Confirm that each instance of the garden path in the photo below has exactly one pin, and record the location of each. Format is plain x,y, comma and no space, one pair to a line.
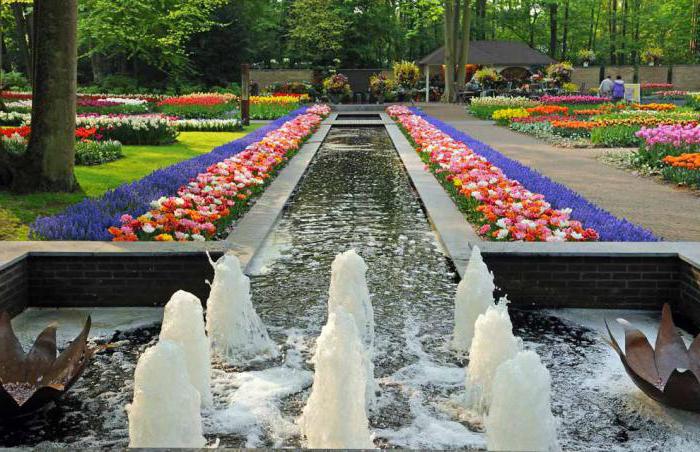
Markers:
670,212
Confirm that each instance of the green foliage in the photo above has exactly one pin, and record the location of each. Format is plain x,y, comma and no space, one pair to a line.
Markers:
155,32
316,30
682,176
123,109
197,111
271,111
615,136
15,81
90,152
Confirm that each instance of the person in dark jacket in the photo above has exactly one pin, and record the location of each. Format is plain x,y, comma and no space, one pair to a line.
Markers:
618,90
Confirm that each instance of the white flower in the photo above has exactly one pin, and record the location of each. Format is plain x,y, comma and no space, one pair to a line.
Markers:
148,228
502,233
197,238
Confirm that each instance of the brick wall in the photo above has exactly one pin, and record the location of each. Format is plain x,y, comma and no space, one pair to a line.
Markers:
13,287
592,282
684,77
690,291
116,280
542,281
266,77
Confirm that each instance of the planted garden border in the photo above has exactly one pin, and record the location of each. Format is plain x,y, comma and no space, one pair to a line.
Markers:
91,218
609,227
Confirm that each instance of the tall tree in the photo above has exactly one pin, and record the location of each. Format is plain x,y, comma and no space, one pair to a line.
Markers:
553,10
48,162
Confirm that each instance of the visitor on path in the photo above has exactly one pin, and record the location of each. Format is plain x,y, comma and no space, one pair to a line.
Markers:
618,90
606,87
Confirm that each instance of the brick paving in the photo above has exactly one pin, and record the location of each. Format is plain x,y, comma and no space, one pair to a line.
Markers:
670,212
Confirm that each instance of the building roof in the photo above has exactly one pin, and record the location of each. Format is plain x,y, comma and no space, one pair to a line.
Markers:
495,53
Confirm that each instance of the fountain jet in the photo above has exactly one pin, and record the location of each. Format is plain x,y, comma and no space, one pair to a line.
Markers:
474,296
183,323
235,331
520,417
165,409
348,290
494,344
335,415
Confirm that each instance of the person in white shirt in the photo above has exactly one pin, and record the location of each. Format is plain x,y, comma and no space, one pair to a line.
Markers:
606,87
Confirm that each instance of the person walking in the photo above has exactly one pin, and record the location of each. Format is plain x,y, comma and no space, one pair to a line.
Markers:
618,90
606,87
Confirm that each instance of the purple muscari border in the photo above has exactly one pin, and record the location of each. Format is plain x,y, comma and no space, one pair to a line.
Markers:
609,227
90,218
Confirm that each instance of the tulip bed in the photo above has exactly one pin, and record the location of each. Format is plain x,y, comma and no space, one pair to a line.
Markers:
673,150
585,121
503,198
91,218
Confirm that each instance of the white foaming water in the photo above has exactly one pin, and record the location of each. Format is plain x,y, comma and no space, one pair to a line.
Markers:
494,343
348,289
236,333
183,323
335,415
520,417
165,409
474,296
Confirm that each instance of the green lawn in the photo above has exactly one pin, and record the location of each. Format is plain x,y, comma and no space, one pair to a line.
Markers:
18,211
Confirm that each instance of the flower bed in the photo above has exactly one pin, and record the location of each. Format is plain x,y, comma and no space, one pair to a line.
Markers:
90,219
132,129
207,125
14,118
198,106
91,152
573,100
648,88
572,128
484,107
561,198
505,116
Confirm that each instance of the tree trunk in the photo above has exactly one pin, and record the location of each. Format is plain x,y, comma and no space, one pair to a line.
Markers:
623,43
480,20
23,41
635,49
464,51
448,95
48,163
694,26
613,32
565,32
553,7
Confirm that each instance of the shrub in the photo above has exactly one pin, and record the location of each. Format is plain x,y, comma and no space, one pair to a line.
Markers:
406,74
15,80
118,84
88,152
616,136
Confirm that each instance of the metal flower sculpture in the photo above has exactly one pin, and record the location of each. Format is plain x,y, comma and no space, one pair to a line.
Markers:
669,372
28,382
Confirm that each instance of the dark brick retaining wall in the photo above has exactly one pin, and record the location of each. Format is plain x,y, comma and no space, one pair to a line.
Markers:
529,280
690,291
13,287
595,282
116,280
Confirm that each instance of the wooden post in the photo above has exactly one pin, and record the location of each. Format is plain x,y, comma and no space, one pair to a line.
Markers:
245,94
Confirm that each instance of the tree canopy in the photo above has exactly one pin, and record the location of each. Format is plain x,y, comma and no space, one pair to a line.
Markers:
202,42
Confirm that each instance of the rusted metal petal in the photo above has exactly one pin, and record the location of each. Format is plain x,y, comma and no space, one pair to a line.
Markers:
648,388
670,351
69,365
694,356
11,352
640,355
42,355
683,391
